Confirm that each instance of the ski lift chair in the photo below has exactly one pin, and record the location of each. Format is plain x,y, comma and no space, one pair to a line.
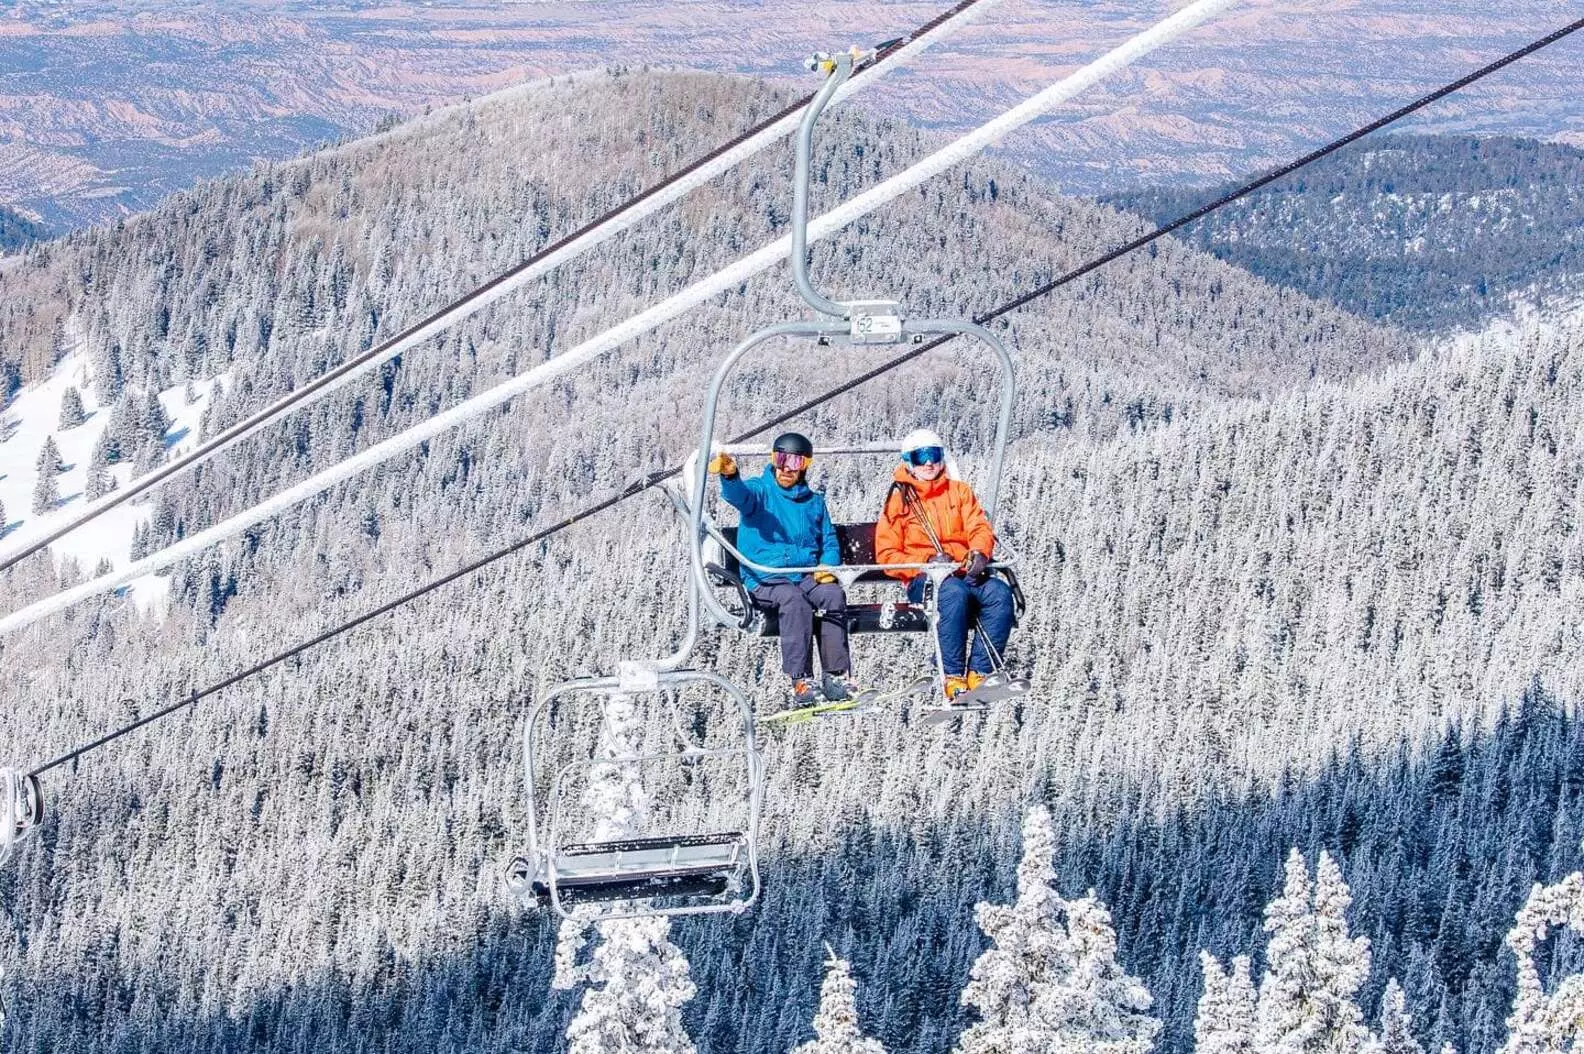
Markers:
21,809
857,323
670,874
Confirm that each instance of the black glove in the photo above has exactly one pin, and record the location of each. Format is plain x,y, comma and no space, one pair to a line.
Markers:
976,568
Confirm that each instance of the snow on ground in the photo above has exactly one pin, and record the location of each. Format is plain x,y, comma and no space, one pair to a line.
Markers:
32,417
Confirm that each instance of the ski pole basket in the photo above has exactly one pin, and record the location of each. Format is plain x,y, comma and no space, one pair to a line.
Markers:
636,827
21,808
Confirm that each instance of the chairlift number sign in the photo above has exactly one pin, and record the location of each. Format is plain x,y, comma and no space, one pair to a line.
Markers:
875,322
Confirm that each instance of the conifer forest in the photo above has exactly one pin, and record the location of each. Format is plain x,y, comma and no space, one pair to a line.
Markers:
1295,495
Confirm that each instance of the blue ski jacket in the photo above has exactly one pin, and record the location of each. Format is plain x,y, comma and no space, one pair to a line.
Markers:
781,526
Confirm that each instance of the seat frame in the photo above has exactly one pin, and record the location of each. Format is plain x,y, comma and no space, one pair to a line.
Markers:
637,876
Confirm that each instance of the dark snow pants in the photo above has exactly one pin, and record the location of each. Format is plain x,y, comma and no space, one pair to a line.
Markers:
796,602
960,603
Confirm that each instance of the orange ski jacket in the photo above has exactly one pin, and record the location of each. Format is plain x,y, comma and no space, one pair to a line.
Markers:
955,514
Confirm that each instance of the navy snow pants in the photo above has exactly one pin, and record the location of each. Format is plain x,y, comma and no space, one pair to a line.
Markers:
960,603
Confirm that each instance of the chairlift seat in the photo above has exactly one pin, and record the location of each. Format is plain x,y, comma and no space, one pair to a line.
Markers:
857,544
704,865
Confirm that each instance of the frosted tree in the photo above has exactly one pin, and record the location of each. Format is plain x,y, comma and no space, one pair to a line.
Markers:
1313,968
1100,1007
1395,1036
99,482
49,458
836,1022
72,413
1542,1023
1225,1021
46,492
637,979
1050,981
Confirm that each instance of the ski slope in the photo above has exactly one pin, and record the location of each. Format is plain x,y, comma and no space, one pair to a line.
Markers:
30,418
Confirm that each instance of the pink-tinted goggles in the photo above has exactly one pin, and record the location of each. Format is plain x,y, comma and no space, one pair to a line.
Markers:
790,462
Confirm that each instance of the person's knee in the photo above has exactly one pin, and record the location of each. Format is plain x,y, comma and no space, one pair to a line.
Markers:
793,600
829,597
995,594
952,590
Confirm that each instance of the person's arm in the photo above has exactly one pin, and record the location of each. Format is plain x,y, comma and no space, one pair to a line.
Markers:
740,494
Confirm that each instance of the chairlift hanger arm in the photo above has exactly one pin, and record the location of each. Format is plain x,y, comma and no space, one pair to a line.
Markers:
840,68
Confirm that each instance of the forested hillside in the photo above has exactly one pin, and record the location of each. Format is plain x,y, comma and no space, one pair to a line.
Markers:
1258,533
17,230
1428,232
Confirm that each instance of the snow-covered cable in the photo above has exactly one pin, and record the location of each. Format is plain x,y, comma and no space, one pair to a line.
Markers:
728,278
623,218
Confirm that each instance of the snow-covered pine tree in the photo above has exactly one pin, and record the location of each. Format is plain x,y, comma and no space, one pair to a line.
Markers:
1047,984
72,413
1029,950
99,480
1395,1036
1225,1022
637,979
1313,969
1100,1007
46,492
836,1028
1543,1023
49,458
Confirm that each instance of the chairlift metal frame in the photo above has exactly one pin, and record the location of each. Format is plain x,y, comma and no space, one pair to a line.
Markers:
638,873
856,322
634,877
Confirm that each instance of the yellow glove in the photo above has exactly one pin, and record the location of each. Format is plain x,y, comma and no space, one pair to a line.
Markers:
824,578
723,464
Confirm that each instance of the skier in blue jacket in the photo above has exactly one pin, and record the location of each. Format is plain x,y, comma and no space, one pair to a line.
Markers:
786,524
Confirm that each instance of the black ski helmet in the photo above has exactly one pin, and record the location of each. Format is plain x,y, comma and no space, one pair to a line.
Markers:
793,443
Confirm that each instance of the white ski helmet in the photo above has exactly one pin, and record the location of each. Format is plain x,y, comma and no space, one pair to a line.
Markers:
918,439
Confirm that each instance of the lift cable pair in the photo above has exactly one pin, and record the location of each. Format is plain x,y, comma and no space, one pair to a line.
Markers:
725,280
19,791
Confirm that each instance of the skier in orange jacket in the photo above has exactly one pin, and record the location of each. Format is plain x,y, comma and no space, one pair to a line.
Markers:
930,517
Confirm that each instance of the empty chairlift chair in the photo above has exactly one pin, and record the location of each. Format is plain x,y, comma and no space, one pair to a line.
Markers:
584,865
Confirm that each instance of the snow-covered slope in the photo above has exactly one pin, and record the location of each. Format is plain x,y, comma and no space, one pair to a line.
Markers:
33,416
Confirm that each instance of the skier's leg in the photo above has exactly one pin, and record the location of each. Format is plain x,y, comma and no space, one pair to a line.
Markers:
995,615
830,598
953,598
797,627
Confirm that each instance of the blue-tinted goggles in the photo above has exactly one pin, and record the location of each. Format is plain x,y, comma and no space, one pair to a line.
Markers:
925,455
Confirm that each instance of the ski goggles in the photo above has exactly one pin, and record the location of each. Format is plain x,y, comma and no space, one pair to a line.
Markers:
925,455
790,462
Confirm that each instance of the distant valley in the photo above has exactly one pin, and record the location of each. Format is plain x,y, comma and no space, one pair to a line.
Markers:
107,107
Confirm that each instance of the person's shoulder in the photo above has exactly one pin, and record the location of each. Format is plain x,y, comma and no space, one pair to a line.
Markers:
962,488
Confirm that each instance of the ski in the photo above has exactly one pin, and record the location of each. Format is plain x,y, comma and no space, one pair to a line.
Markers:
801,714
996,688
865,701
